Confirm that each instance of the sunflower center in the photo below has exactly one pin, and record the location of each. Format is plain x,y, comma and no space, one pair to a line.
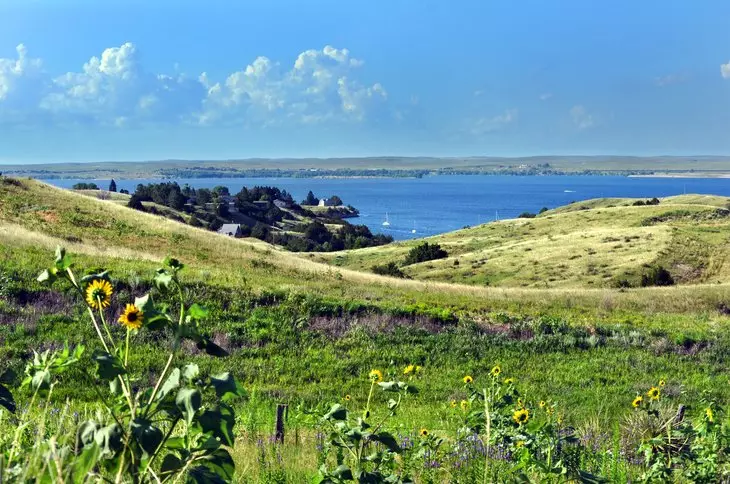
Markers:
132,317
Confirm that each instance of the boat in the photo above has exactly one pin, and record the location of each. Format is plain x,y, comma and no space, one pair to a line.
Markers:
568,191
414,227
386,223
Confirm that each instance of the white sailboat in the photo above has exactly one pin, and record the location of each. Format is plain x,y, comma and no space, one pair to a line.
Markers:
387,222
414,227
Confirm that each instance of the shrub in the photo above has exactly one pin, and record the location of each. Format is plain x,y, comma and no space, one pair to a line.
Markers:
85,186
526,215
425,252
389,269
656,276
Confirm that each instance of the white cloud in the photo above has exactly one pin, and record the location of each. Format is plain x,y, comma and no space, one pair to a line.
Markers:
581,117
115,89
545,96
490,124
670,79
319,86
725,70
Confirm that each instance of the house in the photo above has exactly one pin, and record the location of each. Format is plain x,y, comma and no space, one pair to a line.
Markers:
232,230
282,203
262,204
327,202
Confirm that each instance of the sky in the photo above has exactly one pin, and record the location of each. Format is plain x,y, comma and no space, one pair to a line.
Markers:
85,80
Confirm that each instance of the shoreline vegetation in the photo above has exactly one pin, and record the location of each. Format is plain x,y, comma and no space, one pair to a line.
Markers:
377,167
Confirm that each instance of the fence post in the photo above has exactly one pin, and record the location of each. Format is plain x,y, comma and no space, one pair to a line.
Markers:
280,416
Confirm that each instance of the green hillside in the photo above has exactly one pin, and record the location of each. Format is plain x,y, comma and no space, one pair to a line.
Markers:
307,333
596,243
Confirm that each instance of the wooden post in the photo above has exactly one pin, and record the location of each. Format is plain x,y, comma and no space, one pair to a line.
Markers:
280,416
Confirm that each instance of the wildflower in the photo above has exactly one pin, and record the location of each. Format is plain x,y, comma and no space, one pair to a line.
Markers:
468,379
99,294
521,416
662,383
709,414
453,403
419,368
653,393
637,401
375,376
348,398
542,404
423,433
132,317
409,369
464,405
508,381
496,371
520,444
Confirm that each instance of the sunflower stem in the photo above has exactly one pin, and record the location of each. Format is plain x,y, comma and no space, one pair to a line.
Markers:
488,424
103,322
126,349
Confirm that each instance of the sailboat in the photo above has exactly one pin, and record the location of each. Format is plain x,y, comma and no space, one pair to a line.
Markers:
386,223
414,227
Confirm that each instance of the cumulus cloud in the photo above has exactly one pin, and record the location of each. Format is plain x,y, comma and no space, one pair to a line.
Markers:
115,89
495,123
320,85
725,70
581,117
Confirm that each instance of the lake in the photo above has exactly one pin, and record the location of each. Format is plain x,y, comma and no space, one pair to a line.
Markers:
436,204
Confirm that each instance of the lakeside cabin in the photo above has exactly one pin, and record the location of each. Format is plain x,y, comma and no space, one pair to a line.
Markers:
232,230
327,202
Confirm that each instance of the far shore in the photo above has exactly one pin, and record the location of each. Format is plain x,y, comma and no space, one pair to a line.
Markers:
683,175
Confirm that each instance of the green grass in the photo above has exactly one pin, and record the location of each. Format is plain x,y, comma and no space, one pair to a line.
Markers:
306,333
583,245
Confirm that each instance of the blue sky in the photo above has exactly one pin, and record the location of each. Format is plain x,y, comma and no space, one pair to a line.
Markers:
89,80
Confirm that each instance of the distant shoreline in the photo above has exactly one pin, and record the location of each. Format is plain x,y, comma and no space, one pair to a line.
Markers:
683,175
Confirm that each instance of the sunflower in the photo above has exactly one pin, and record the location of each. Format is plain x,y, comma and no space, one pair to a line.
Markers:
99,294
375,376
519,444
709,414
409,369
348,398
521,416
453,403
653,393
662,383
637,401
132,317
496,371
468,379
542,404
464,405
423,433
508,381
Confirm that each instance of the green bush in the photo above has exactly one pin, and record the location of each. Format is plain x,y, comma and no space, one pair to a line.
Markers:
389,269
425,252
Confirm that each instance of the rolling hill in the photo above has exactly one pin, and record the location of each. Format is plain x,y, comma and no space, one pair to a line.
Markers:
595,243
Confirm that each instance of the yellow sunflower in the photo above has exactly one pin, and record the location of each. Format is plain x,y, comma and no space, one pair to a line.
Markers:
376,376
409,369
496,371
653,393
709,414
662,383
508,381
637,401
423,433
520,444
464,405
542,404
99,294
521,416
468,379
132,317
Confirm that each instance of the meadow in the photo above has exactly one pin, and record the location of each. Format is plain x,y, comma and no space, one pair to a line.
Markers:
308,334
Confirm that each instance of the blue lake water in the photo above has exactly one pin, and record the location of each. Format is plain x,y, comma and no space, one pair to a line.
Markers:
437,204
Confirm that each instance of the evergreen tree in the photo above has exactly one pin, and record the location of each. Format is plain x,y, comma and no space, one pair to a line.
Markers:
112,186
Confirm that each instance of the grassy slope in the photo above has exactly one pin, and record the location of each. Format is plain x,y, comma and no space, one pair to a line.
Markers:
594,372
586,244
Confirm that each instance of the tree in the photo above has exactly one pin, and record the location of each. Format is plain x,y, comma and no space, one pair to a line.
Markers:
311,199
112,186
317,232
260,231
135,202
195,222
425,252
204,196
85,186
336,201
176,200
221,191
126,192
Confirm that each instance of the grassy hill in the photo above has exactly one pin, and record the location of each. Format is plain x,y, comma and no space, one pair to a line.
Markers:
595,243
307,333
